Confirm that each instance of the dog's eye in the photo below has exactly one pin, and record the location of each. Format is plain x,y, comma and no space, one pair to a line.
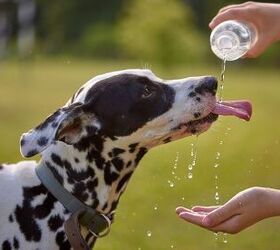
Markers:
147,92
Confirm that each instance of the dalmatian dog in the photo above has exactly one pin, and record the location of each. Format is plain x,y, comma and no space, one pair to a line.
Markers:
93,144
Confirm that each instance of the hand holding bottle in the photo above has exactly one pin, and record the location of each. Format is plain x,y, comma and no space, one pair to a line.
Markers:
265,17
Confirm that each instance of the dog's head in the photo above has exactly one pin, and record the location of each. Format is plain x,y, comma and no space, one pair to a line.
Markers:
130,105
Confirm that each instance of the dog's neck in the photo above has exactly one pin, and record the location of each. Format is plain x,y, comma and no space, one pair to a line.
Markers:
96,170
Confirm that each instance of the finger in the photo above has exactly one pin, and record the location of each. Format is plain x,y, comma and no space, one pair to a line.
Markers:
194,218
204,208
222,213
182,209
232,225
230,14
232,6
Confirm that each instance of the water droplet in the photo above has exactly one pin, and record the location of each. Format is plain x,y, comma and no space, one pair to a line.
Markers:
183,198
217,198
190,175
216,165
155,207
172,246
218,155
171,183
216,235
221,142
190,167
149,233
225,238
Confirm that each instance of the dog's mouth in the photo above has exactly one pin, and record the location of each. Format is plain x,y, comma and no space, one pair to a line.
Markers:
241,109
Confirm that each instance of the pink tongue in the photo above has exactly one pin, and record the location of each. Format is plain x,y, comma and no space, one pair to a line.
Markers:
240,109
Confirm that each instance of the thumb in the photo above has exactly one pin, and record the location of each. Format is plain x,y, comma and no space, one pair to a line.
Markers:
219,215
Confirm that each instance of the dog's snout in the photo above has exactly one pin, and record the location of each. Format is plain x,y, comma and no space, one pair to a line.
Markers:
209,84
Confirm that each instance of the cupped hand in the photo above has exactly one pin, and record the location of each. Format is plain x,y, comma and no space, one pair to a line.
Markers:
243,210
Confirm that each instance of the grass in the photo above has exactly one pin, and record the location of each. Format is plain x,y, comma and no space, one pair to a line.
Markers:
249,154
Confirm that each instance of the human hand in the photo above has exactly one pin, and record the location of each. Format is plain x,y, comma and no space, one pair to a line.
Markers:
243,210
264,16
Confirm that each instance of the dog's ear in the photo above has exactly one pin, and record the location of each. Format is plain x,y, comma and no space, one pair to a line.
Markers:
68,124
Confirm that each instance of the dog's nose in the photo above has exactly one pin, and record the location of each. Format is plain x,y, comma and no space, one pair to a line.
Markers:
209,84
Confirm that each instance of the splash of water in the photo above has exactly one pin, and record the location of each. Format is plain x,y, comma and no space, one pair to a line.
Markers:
193,158
222,79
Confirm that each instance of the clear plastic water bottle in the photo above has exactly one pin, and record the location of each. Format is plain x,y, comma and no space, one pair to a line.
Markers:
230,40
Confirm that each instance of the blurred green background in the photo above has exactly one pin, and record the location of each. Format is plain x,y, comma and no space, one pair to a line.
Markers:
76,40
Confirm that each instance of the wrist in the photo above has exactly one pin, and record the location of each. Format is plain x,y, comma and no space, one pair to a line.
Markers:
268,200
273,201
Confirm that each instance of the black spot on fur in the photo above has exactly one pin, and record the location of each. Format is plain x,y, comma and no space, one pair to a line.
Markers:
109,176
16,243
56,159
55,222
92,184
49,120
198,99
43,210
55,172
132,147
77,176
91,130
192,94
142,151
6,245
191,87
118,163
114,205
11,219
197,115
30,192
117,151
128,164
42,141
94,155
76,160
54,124
85,143
123,181
105,206
22,142
27,224
32,152
168,139
95,203
79,191
62,241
